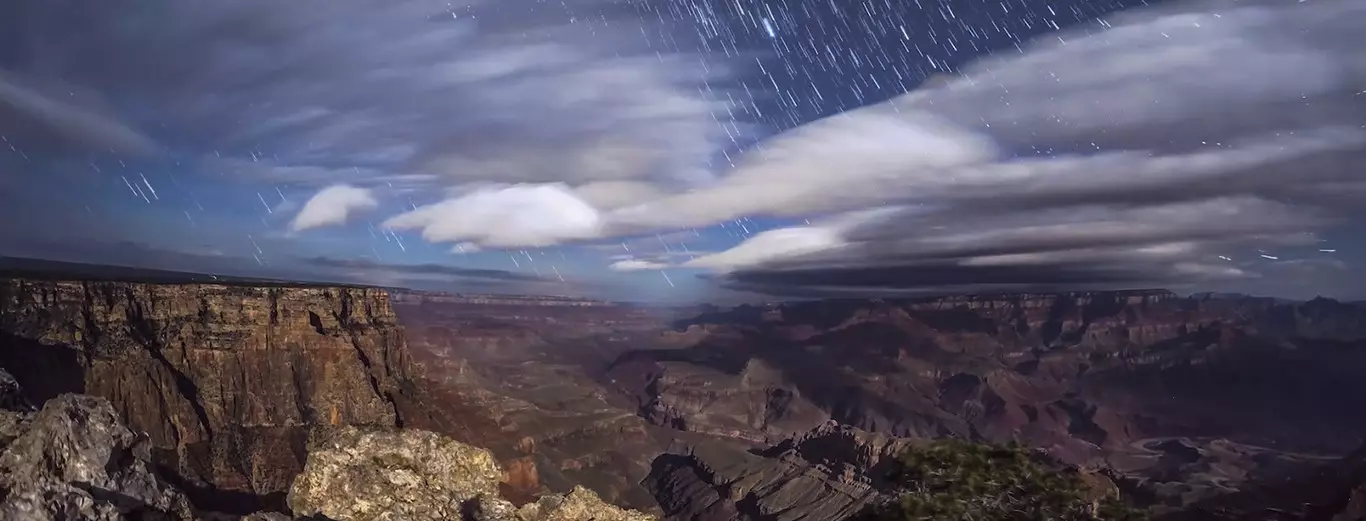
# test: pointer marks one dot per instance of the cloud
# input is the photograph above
(1139, 152)
(420, 95)
(332, 206)
(466, 247)
(419, 270)
(41, 124)
(636, 265)
(771, 245)
(524, 215)
(611, 195)
(1145, 154)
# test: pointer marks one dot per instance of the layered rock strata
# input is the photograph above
(224, 380)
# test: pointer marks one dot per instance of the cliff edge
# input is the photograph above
(225, 381)
(74, 460)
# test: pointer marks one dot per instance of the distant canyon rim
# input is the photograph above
(1181, 400)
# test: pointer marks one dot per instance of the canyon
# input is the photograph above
(773, 411)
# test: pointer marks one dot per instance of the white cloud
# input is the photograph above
(838, 163)
(610, 195)
(466, 247)
(770, 246)
(636, 265)
(332, 206)
(523, 215)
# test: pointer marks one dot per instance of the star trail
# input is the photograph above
(811, 59)
(667, 149)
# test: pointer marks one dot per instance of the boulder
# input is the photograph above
(414, 475)
(75, 461)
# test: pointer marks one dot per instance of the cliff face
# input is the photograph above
(225, 380)
(528, 371)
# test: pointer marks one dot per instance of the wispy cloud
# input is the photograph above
(393, 96)
(1128, 156)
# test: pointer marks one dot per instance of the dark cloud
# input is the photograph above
(210, 261)
(422, 270)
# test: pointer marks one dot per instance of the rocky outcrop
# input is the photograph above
(1335, 491)
(75, 461)
(832, 473)
(224, 380)
(367, 475)
(11, 395)
(828, 474)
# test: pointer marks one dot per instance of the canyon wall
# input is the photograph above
(225, 380)
(231, 382)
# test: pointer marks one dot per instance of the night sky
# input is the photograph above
(676, 150)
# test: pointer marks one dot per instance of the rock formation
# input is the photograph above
(1187, 397)
(414, 475)
(225, 380)
(1098, 378)
(828, 474)
(75, 461)
(529, 372)
(831, 473)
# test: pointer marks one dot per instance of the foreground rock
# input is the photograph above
(390, 475)
(226, 380)
(74, 461)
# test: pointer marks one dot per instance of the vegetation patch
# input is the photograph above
(960, 480)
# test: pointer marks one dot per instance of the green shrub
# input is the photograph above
(960, 480)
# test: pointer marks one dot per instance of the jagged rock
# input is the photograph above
(493, 508)
(13, 410)
(77, 462)
(579, 504)
(11, 396)
(372, 475)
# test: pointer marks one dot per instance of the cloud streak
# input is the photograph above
(1151, 148)
(1150, 153)
(412, 97)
